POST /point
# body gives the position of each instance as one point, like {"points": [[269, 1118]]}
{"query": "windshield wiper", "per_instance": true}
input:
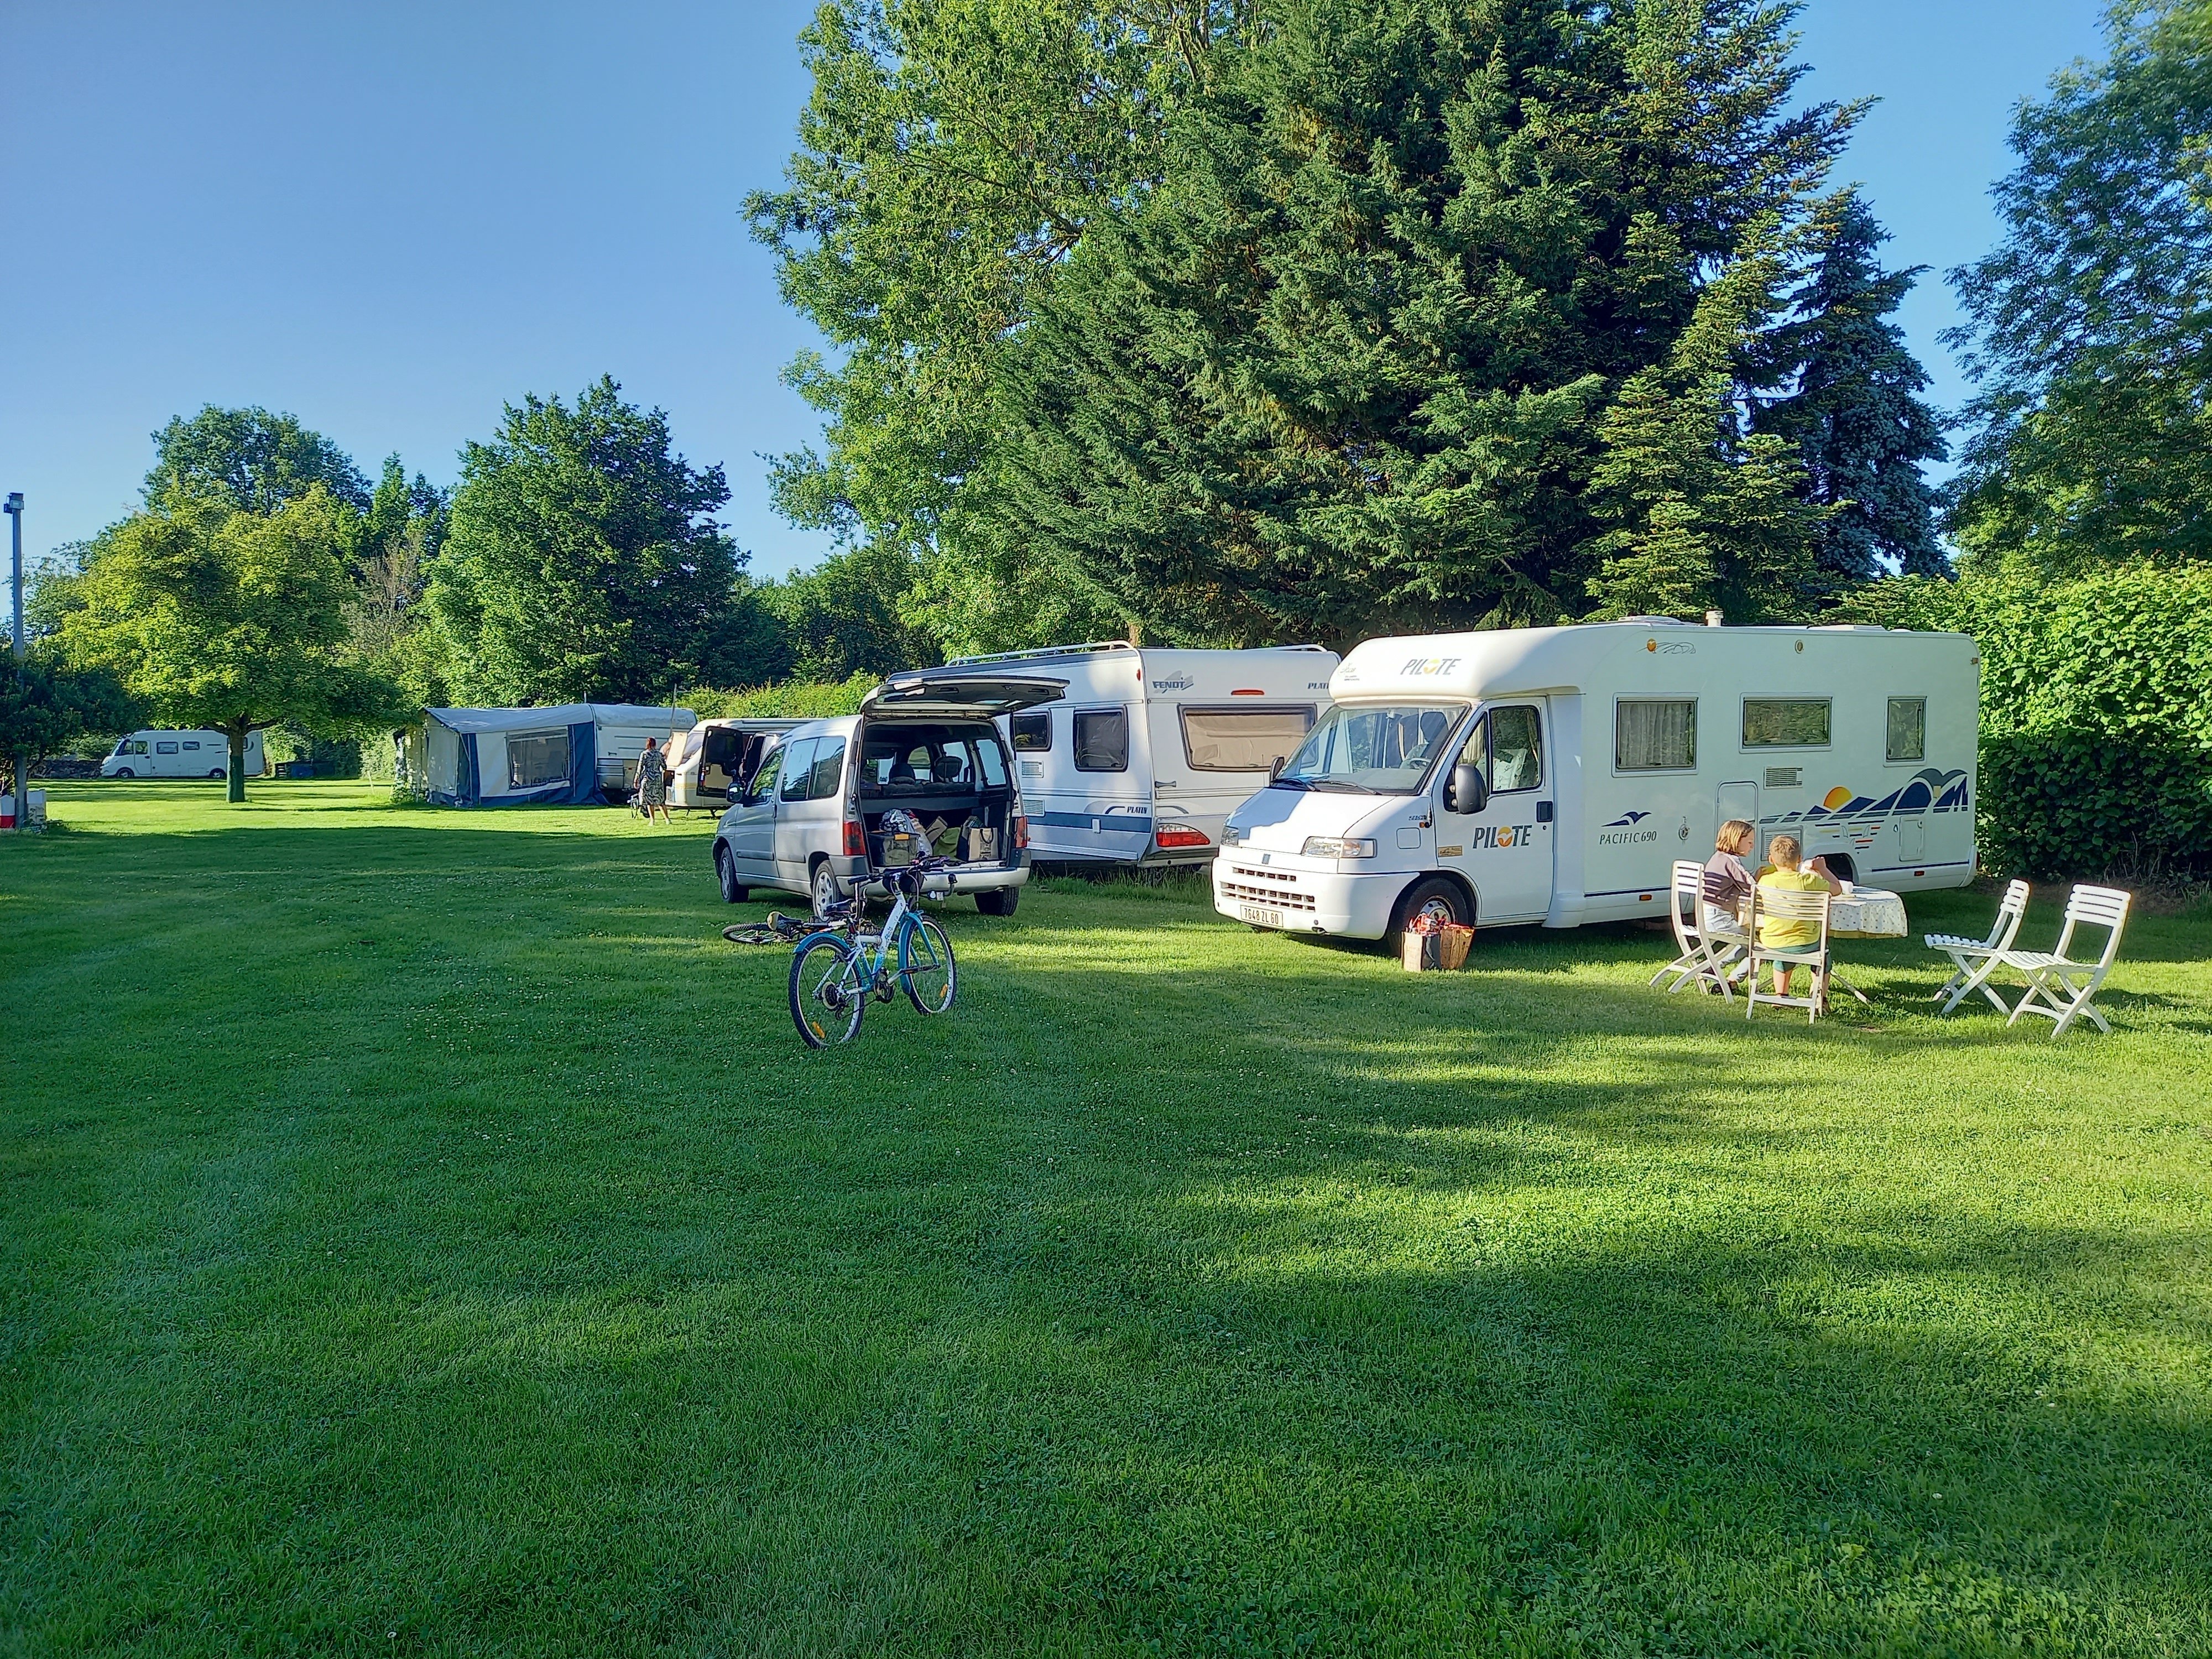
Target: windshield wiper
{"points": [[1288, 783], [1342, 786]]}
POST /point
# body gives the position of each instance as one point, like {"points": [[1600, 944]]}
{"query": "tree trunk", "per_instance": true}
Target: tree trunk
{"points": [[236, 791]]}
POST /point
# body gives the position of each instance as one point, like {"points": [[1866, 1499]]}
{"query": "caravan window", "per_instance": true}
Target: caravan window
{"points": [[1908, 730], [190, 748], [165, 748], [1032, 731], [1101, 740], [1655, 735], [537, 758], [1243, 740], [1785, 722]]}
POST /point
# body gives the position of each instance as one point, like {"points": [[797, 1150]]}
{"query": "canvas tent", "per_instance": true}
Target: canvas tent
{"points": [[573, 753]]}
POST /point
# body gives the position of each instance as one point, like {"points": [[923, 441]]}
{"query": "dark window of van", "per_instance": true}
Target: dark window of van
{"points": [[1101, 740], [827, 772], [169, 748], [764, 781], [1517, 748], [1032, 731], [535, 759], [798, 768], [191, 747], [992, 762]]}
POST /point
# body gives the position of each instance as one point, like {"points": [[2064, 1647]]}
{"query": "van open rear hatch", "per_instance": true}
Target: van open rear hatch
{"points": [[961, 694]]}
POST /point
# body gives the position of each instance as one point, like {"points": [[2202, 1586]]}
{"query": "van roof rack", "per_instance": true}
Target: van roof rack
{"points": [[1093, 645]]}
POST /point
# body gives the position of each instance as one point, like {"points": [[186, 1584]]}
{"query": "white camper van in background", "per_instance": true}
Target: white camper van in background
{"points": [[198, 754], [1553, 774], [1149, 751], [712, 763]]}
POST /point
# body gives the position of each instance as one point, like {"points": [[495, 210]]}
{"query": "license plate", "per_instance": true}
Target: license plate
{"points": [[1260, 915]]}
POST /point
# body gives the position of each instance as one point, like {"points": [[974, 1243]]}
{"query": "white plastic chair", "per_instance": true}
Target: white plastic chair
{"points": [[2059, 987], [1973, 960], [1704, 954], [1790, 904]]}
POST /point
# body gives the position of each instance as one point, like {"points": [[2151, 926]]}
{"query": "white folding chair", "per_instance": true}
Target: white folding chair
{"points": [[1788, 904], [1704, 953], [2059, 987], [1973, 960]]}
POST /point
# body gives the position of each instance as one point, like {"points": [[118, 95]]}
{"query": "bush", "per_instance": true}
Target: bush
{"points": [[813, 700], [2096, 731]]}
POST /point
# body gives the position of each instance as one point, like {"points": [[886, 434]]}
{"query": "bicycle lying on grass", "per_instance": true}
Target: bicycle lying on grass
{"points": [[835, 971]]}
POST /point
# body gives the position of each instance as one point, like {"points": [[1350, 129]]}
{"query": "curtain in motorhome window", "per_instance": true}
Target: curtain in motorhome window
{"points": [[1785, 722], [1243, 740], [1032, 731], [1655, 735], [1908, 730], [1101, 740], [537, 758]]}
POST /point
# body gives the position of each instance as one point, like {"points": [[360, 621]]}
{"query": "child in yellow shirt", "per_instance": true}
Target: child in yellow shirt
{"points": [[1784, 855]]}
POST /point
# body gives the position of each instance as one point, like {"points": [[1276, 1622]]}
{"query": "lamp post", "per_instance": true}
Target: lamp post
{"points": [[14, 510]]}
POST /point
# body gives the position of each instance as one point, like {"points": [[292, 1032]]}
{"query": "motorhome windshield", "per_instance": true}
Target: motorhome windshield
{"points": [[1374, 748]]}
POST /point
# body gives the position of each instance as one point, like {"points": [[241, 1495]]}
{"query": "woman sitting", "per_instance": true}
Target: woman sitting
{"points": [[1728, 881]]}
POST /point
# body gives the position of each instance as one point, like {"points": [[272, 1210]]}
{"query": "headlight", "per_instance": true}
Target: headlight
{"points": [[1230, 835], [1340, 847]]}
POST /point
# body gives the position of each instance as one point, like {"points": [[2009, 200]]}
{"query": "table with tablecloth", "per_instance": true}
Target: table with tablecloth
{"points": [[1866, 913]]}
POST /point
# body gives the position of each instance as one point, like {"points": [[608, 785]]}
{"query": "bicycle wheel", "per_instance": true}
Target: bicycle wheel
{"points": [[926, 967], [827, 1000]]}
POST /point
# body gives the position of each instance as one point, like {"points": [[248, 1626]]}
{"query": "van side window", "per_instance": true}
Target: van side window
{"points": [[798, 768], [991, 763], [763, 783], [1517, 748], [167, 748], [828, 771], [1101, 740], [1654, 735], [190, 746], [1032, 731], [1908, 730]]}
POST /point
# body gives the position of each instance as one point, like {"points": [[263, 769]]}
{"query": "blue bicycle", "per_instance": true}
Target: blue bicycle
{"points": [[836, 972]]}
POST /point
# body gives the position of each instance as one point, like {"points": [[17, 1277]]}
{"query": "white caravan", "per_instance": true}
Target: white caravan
{"points": [[1553, 774], [714, 760], [1149, 751], [198, 754]]}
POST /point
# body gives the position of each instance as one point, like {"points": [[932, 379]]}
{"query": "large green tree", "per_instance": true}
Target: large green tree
{"points": [[46, 705], [1348, 365], [1846, 393], [583, 563], [256, 461], [215, 616], [2090, 330]]}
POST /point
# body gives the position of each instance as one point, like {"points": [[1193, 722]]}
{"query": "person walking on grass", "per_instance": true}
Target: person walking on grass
{"points": [[653, 782], [1784, 855]]}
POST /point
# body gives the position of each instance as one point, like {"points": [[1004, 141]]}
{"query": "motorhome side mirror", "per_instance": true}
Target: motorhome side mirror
{"points": [[1275, 767], [1466, 791]]}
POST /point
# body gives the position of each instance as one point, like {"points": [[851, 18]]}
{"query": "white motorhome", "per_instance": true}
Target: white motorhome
{"points": [[1150, 750], [1553, 774], [712, 763], [194, 754]]}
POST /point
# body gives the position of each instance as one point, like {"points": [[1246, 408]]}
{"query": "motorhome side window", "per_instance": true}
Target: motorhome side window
{"points": [[165, 748], [1243, 740], [534, 758], [1908, 730], [1101, 740], [1032, 731], [1785, 722], [190, 748], [798, 768], [1655, 735]]}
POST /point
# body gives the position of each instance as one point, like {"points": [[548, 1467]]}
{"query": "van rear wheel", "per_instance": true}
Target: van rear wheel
{"points": [[217, 774], [1435, 896], [823, 892], [1000, 903]]}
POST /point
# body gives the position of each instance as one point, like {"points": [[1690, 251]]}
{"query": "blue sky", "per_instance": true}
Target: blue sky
{"points": [[391, 219]]}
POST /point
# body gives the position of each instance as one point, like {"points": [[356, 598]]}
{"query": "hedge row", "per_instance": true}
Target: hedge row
{"points": [[2096, 722]]}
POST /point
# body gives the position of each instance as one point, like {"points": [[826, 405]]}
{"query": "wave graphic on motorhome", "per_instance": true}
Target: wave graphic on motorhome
{"points": [[1928, 791], [1626, 818]]}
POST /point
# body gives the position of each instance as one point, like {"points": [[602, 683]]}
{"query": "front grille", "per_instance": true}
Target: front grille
{"points": [[1275, 887]]}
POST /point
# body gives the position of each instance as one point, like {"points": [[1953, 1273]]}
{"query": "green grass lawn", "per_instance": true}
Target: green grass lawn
{"points": [[424, 1233]]}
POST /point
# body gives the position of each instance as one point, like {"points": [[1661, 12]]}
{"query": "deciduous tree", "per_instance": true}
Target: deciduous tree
{"points": [[256, 461]]}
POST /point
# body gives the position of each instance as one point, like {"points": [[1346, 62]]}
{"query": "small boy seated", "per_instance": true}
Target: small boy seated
{"points": [[1784, 855]]}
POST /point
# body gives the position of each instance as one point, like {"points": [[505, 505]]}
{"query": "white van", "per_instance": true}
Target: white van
{"points": [[809, 818], [715, 757], [1553, 774], [1151, 749], [198, 754]]}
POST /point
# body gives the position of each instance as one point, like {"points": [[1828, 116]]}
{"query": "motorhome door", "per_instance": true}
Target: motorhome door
{"points": [[1505, 849]]}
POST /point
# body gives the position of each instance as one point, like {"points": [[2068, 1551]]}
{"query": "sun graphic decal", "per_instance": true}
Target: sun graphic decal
{"points": [[1837, 798]]}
